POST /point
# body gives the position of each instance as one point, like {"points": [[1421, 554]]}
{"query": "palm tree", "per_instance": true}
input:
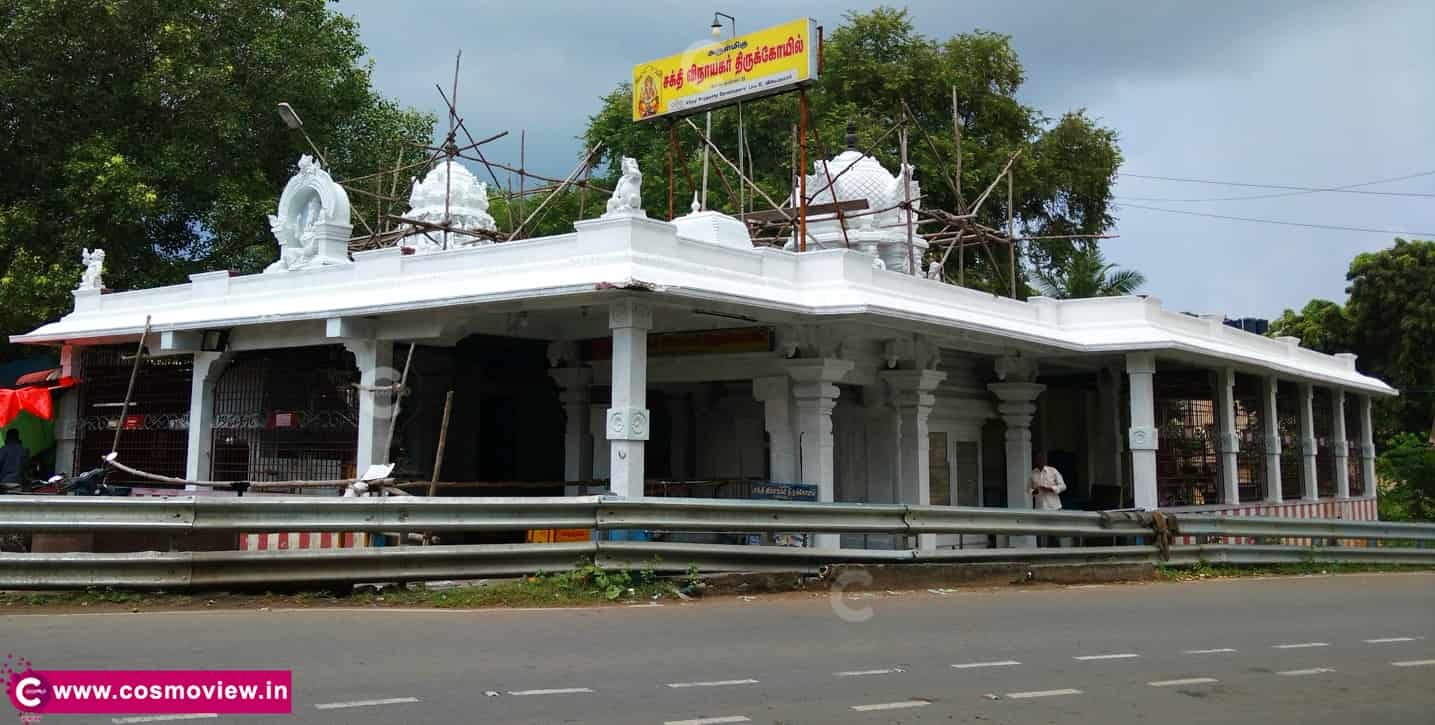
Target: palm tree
{"points": [[1087, 274]]}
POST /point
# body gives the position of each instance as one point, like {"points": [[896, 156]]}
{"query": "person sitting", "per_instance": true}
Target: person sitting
{"points": [[13, 458]]}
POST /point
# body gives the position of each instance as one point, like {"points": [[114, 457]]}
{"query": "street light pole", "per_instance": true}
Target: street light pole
{"points": [[708, 130]]}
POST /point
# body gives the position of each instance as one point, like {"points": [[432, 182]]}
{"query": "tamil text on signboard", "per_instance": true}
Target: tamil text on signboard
{"points": [[762, 63]]}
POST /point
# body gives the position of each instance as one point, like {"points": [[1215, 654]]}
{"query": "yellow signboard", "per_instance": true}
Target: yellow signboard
{"points": [[768, 61]]}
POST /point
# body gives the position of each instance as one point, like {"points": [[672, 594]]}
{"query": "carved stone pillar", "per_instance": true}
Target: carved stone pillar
{"points": [[1270, 422], [1339, 443], [207, 368], [1367, 450], [779, 420], [375, 360], [628, 418], [1141, 369], [576, 396], [815, 392], [1229, 443], [598, 430], [1309, 491], [912, 397]]}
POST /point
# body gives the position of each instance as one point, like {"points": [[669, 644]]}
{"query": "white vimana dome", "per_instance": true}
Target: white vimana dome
{"points": [[467, 207]]}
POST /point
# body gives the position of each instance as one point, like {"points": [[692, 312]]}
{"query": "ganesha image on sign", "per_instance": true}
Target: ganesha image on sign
{"points": [[646, 92]]}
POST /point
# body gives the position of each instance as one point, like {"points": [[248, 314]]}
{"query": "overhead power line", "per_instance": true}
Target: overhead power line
{"points": [[1306, 225], [1289, 190]]}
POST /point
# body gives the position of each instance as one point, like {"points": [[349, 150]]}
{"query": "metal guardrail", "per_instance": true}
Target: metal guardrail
{"points": [[1153, 533]]}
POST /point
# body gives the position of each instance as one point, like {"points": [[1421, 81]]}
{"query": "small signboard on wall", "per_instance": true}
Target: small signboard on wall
{"points": [[773, 491]]}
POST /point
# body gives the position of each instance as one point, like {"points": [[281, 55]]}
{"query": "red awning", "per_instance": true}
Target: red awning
{"points": [[37, 377], [35, 401]]}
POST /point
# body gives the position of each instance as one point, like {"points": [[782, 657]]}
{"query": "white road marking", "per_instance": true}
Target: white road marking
{"points": [[714, 683], [903, 705], [1123, 656], [1040, 693], [364, 703], [709, 720], [1414, 663], [165, 718], [974, 665], [1302, 645], [860, 673], [1388, 640], [1311, 671], [1220, 650], [558, 691], [1187, 681]]}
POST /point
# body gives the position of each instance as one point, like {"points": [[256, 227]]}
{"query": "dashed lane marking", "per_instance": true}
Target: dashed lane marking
{"points": [[1219, 650], [1311, 671], [1122, 656], [1389, 640], [1414, 663], [714, 683], [556, 691], [861, 673], [1301, 645], [710, 720], [1040, 693], [903, 705], [364, 703], [1187, 681], [975, 665]]}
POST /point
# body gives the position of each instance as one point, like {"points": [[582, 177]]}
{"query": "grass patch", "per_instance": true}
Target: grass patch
{"points": [[84, 598], [1207, 570], [588, 585]]}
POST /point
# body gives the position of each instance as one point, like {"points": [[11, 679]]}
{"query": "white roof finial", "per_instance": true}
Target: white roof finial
{"points": [[696, 205]]}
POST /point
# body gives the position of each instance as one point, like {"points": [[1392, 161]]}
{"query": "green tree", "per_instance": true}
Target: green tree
{"points": [[1388, 321], [1086, 273], [1321, 325], [1407, 468], [872, 63], [148, 128]]}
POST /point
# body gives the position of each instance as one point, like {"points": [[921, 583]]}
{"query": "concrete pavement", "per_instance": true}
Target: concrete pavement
{"points": [[1305, 650]]}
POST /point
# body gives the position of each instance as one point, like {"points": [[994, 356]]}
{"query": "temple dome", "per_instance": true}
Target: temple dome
{"points": [[467, 206]]}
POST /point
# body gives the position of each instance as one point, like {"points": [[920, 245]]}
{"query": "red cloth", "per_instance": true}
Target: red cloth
{"points": [[35, 401]]}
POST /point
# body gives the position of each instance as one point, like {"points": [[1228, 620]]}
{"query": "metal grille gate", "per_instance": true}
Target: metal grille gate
{"points": [[284, 415], [156, 427]]}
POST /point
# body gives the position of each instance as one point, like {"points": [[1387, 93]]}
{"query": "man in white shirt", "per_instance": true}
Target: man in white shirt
{"points": [[1046, 485]]}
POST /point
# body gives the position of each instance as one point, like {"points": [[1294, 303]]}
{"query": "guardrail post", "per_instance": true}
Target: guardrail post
{"points": [[628, 420]]}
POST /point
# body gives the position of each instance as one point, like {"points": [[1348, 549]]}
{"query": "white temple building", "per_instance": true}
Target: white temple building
{"points": [[636, 353]]}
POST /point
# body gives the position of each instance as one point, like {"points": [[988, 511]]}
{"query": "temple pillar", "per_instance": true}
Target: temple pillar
{"points": [[207, 368], [1017, 405], [1367, 450], [628, 419], [1339, 443], [375, 360], [1141, 370], [815, 394], [1306, 412], [1229, 443], [575, 393], [1271, 423], [779, 420], [912, 396]]}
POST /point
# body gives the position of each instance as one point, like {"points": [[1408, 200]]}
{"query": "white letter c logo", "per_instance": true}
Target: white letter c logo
{"points": [[21, 691]]}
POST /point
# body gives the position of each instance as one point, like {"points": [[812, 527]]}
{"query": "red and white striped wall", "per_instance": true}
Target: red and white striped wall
{"points": [[1351, 509], [303, 540]]}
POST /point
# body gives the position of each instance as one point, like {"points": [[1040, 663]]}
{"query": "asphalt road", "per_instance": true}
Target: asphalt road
{"points": [[1346, 649]]}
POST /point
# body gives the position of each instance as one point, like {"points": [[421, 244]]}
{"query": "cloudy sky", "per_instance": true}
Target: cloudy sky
{"points": [[1305, 94]]}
